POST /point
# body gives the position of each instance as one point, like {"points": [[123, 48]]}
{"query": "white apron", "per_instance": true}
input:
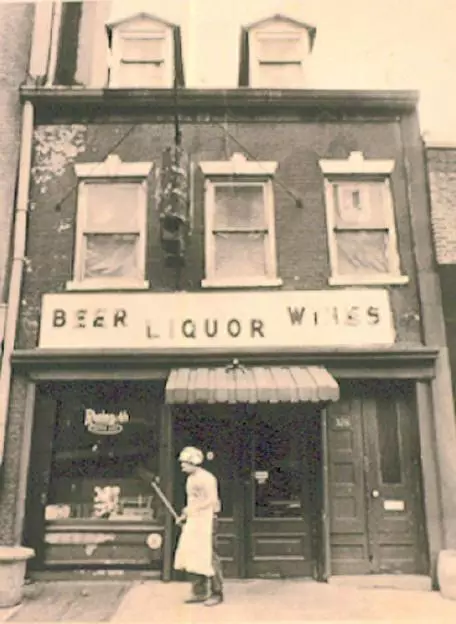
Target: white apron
{"points": [[194, 550]]}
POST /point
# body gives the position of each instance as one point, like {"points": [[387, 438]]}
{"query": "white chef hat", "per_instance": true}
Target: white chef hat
{"points": [[191, 455]]}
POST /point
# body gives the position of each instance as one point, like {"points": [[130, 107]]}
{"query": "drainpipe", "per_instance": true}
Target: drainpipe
{"points": [[17, 266]]}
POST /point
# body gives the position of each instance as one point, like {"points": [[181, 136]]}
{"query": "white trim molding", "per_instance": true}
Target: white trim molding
{"points": [[357, 171], [356, 164], [115, 171], [239, 172], [113, 167], [238, 166]]}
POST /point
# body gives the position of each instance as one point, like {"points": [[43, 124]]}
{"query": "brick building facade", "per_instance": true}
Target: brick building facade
{"points": [[248, 270]]}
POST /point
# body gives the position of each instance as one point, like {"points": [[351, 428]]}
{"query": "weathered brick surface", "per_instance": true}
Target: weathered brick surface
{"points": [[442, 184], [301, 232]]}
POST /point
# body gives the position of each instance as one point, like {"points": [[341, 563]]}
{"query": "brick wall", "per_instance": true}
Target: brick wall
{"points": [[301, 232], [442, 183]]}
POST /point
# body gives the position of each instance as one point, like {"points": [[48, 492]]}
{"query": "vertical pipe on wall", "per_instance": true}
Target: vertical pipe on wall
{"points": [[17, 266], [166, 479]]}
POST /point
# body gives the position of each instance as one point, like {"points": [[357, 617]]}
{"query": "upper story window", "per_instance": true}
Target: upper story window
{"points": [[240, 246], [110, 245], [360, 219], [143, 53], [278, 51]]}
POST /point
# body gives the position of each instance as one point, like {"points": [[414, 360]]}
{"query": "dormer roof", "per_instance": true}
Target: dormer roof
{"points": [[138, 15], [279, 17]]}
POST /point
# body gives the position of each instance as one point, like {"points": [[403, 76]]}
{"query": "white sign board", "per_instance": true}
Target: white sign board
{"points": [[183, 320]]}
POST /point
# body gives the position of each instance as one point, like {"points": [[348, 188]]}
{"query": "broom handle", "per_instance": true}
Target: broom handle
{"points": [[164, 500]]}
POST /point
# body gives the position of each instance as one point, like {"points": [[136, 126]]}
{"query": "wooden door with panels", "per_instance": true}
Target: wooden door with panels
{"points": [[283, 492], [375, 499], [267, 461]]}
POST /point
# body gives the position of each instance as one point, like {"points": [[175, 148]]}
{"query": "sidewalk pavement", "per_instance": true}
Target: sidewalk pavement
{"points": [[246, 601], [284, 601]]}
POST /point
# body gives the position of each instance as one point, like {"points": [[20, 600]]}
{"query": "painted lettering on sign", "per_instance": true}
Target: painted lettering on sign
{"points": [[213, 327], [353, 317], [105, 423], [82, 318], [79, 538]]}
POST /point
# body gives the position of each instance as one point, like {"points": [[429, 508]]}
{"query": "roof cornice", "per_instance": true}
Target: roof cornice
{"points": [[266, 100]]}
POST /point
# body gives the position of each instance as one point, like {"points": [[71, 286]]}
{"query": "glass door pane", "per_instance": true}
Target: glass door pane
{"points": [[277, 472]]}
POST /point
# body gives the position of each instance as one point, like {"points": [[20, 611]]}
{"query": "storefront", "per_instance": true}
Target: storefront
{"points": [[308, 412]]}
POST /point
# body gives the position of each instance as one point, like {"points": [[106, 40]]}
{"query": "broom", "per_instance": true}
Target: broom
{"points": [[152, 479]]}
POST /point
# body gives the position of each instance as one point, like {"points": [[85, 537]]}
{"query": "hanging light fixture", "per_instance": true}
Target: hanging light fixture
{"points": [[174, 196]]}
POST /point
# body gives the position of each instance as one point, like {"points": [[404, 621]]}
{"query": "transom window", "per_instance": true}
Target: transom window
{"points": [[361, 224], [111, 226], [239, 219]]}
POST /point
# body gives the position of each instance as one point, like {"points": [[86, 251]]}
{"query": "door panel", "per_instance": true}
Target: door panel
{"points": [[267, 463], [394, 500], [348, 538], [279, 517], [375, 484], [215, 431]]}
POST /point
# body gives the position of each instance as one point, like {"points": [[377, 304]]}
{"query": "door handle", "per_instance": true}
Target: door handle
{"points": [[375, 494]]}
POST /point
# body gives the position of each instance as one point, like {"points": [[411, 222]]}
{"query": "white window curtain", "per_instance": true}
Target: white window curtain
{"points": [[112, 231]]}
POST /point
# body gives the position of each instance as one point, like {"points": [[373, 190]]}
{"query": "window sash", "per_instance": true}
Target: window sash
{"points": [[93, 223], [263, 230], [121, 262], [131, 53], [356, 258], [233, 245], [378, 219], [360, 205], [86, 232], [147, 67], [272, 48]]}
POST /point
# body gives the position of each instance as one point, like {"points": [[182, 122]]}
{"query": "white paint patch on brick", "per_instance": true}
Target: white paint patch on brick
{"points": [[55, 148]]}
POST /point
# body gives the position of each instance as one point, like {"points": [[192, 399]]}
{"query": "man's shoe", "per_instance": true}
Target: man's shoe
{"points": [[213, 600], [196, 599]]}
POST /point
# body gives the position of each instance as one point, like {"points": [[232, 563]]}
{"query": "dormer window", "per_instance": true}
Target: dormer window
{"points": [[278, 51], [143, 53]]}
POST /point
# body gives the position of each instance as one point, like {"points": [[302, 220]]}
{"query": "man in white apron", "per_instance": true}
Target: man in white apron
{"points": [[195, 551]]}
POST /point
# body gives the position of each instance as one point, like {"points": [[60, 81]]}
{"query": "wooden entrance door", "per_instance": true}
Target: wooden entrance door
{"points": [[377, 523], [282, 493], [267, 463]]}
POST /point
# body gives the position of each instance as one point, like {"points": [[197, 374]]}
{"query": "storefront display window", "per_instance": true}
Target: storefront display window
{"points": [[103, 433]]}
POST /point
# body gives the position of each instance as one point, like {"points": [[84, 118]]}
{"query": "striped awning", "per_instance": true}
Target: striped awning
{"points": [[256, 384]]}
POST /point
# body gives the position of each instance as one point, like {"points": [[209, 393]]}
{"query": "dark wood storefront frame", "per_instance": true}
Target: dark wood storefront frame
{"points": [[417, 364]]}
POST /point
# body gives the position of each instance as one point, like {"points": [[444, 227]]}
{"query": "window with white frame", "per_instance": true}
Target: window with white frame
{"points": [[142, 53], [278, 52], [240, 246], [361, 222], [110, 245]]}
